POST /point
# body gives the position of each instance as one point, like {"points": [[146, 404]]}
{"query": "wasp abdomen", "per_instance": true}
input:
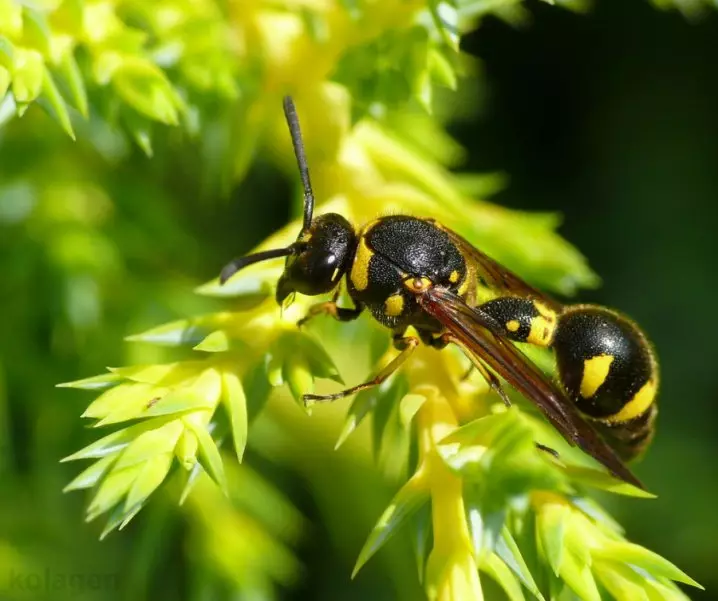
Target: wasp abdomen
{"points": [[607, 368]]}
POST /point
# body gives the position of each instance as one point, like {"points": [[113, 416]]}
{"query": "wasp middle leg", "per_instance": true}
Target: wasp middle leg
{"points": [[405, 344]]}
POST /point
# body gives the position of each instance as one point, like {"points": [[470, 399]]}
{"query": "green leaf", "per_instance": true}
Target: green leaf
{"points": [[150, 475], [70, 71], [10, 18], [108, 445], [209, 455], [7, 52], [92, 475], [410, 498], [274, 366], [140, 129], [184, 331], [660, 591], [191, 479], [144, 87], [604, 481], [149, 444], [186, 450], [482, 430], [28, 75], [5, 80], [578, 575], [421, 537], [622, 582], [508, 551], [385, 415], [643, 558], [94, 383], [118, 517], [235, 403], [257, 389], [321, 364], [297, 373], [409, 406], [486, 525], [446, 17], [209, 386], [111, 490], [259, 280], [161, 374], [220, 341], [177, 401], [500, 572], [599, 515], [551, 523], [124, 401], [442, 71], [36, 31], [362, 404]]}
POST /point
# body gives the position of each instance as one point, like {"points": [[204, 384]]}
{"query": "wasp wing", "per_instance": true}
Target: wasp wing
{"points": [[471, 330], [495, 276]]}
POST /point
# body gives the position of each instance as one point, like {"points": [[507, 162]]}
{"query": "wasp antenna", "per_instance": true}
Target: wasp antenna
{"points": [[290, 112], [241, 262]]}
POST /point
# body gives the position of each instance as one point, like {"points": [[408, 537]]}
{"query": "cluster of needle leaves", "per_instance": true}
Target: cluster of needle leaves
{"points": [[474, 494]]}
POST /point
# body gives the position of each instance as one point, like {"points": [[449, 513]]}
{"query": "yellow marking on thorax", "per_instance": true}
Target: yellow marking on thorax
{"points": [[454, 276], [394, 305], [513, 325], [638, 405], [360, 268], [543, 326], [595, 372]]}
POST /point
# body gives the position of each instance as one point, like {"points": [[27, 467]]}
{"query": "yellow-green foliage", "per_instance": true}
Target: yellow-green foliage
{"points": [[476, 496]]}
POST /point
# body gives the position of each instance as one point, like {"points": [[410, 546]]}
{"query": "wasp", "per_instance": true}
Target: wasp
{"points": [[413, 272]]}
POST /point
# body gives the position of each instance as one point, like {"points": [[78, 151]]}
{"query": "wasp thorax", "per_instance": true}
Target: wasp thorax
{"points": [[323, 254]]}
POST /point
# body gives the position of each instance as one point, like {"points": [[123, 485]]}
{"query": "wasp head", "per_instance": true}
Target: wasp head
{"points": [[321, 256]]}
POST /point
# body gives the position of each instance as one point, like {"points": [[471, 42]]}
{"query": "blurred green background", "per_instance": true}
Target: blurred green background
{"points": [[610, 118]]}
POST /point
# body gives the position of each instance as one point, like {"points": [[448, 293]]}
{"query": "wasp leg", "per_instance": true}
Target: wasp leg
{"points": [[493, 382], [331, 308], [491, 379], [405, 344], [549, 450], [439, 342], [467, 373]]}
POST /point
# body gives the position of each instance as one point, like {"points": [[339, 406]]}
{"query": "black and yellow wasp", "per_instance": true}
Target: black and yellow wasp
{"points": [[415, 272]]}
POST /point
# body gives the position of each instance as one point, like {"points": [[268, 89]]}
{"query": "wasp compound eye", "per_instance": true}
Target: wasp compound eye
{"points": [[312, 272]]}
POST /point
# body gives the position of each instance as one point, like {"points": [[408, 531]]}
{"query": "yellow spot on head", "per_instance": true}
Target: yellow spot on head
{"points": [[418, 284], [454, 277], [360, 268], [638, 405], [394, 305], [595, 372], [513, 325]]}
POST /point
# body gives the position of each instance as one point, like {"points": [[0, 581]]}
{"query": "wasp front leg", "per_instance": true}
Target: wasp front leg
{"points": [[331, 308], [406, 346]]}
